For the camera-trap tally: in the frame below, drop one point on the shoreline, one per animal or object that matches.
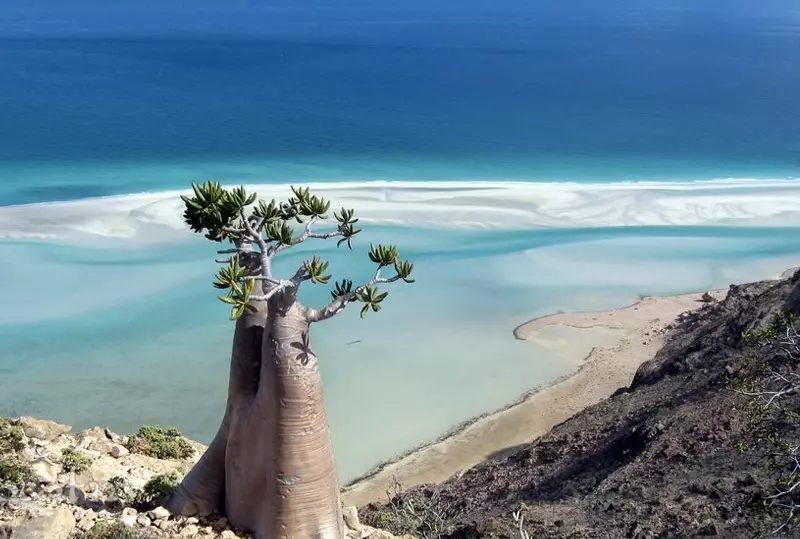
(607, 367)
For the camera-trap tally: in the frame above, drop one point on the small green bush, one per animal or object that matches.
(160, 443)
(11, 436)
(105, 529)
(156, 490)
(14, 470)
(120, 488)
(383, 519)
(73, 460)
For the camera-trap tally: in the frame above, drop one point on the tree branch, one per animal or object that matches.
(253, 232)
(307, 233)
(337, 305)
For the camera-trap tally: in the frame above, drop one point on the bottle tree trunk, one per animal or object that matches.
(270, 469)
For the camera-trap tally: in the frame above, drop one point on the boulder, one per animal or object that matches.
(159, 513)
(42, 429)
(45, 472)
(119, 451)
(73, 494)
(56, 524)
(350, 515)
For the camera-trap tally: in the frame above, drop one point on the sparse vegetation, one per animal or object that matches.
(119, 488)
(156, 490)
(73, 460)
(11, 437)
(14, 470)
(149, 497)
(771, 385)
(422, 513)
(161, 443)
(105, 529)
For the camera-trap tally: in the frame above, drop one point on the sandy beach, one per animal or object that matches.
(606, 347)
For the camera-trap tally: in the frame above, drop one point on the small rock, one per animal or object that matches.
(221, 524)
(115, 505)
(350, 515)
(189, 531)
(165, 524)
(73, 494)
(129, 520)
(118, 451)
(143, 521)
(159, 513)
(192, 520)
(227, 534)
(130, 511)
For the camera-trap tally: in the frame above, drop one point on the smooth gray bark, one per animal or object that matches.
(270, 469)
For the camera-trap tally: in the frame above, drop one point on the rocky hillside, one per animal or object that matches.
(96, 484)
(666, 457)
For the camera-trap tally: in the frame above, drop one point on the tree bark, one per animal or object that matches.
(271, 468)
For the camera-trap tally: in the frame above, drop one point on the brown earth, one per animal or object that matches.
(655, 460)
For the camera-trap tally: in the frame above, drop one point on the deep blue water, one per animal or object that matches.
(562, 91)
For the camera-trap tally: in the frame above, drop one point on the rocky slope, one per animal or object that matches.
(53, 504)
(657, 459)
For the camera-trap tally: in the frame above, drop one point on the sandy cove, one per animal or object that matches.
(637, 333)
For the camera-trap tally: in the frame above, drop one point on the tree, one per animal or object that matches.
(270, 469)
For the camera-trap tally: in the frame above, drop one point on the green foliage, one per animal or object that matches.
(106, 529)
(11, 437)
(223, 215)
(371, 298)
(215, 210)
(14, 470)
(120, 488)
(316, 269)
(156, 491)
(383, 519)
(161, 443)
(772, 331)
(73, 460)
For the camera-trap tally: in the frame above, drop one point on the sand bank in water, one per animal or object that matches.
(611, 347)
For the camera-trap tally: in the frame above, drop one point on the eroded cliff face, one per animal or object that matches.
(657, 459)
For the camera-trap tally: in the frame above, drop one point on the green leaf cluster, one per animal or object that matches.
(371, 297)
(387, 255)
(233, 278)
(215, 210)
(315, 269)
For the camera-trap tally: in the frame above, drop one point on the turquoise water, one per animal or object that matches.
(529, 159)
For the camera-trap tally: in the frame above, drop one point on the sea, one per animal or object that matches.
(528, 157)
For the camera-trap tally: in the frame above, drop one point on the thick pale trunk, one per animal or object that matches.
(271, 466)
(202, 491)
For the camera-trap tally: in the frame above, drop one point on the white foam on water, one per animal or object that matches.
(157, 217)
